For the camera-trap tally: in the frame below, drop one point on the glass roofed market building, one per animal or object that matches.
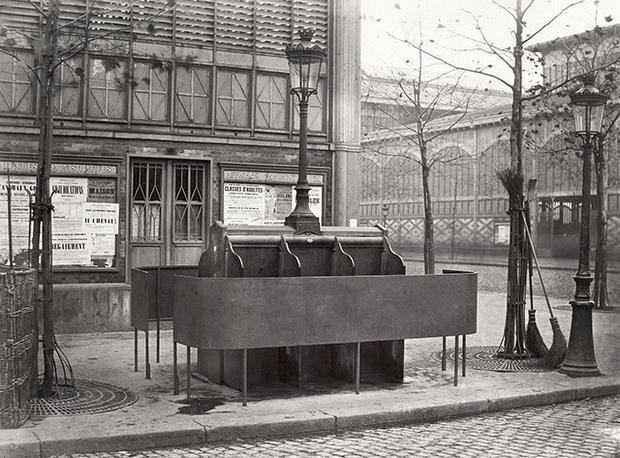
(169, 116)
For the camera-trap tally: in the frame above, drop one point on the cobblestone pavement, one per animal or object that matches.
(588, 428)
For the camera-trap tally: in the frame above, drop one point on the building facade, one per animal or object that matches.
(469, 202)
(177, 117)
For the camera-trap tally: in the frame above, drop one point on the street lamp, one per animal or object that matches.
(305, 62)
(385, 211)
(588, 108)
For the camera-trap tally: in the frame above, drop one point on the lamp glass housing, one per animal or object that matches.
(304, 69)
(588, 108)
(588, 119)
(305, 61)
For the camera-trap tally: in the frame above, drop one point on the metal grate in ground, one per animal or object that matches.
(87, 398)
(485, 359)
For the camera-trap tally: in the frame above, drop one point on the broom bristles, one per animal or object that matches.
(534, 342)
(512, 181)
(555, 355)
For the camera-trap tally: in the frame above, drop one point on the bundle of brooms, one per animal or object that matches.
(520, 254)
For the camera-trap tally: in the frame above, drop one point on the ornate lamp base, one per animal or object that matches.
(303, 223)
(580, 360)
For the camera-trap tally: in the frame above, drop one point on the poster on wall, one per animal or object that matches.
(69, 198)
(244, 203)
(101, 223)
(69, 239)
(264, 204)
(85, 223)
(22, 191)
(70, 249)
(502, 234)
(101, 217)
(102, 190)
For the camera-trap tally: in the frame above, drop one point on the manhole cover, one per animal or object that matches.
(89, 397)
(483, 358)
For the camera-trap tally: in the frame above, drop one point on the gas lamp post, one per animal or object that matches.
(305, 62)
(588, 108)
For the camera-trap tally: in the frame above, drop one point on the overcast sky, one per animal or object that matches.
(444, 25)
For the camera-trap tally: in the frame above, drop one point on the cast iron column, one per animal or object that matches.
(580, 359)
(302, 219)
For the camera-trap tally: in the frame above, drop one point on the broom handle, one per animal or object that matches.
(542, 283)
(530, 268)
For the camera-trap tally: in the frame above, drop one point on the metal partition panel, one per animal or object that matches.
(139, 298)
(226, 313)
(165, 290)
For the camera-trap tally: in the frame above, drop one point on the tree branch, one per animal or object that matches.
(544, 26)
(457, 67)
(500, 6)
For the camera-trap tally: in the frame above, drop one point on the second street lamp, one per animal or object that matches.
(385, 211)
(588, 108)
(305, 62)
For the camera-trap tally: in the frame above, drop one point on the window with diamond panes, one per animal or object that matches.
(67, 96)
(150, 93)
(107, 88)
(16, 83)
(188, 202)
(315, 110)
(146, 203)
(271, 96)
(193, 89)
(232, 98)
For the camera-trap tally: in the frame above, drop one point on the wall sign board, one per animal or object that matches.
(85, 219)
(257, 197)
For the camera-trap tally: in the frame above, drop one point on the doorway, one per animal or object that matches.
(168, 211)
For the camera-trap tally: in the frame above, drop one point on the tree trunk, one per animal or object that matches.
(514, 327)
(600, 269)
(43, 208)
(429, 242)
(453, 231)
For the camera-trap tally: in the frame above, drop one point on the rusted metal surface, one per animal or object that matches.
(225, 313)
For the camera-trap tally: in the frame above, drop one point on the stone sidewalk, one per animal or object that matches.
(160, 419)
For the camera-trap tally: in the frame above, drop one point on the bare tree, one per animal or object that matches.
(424, 100)
(512, 57)
(60, 39)
(595, 51)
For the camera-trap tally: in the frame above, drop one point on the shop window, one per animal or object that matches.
(146, 201)
(193, 89)
(16, 83)
(67, 96)
(232, 98)
(315, 110)
(189, 182)
(107, 88)
(271, 102)
(150, 94)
